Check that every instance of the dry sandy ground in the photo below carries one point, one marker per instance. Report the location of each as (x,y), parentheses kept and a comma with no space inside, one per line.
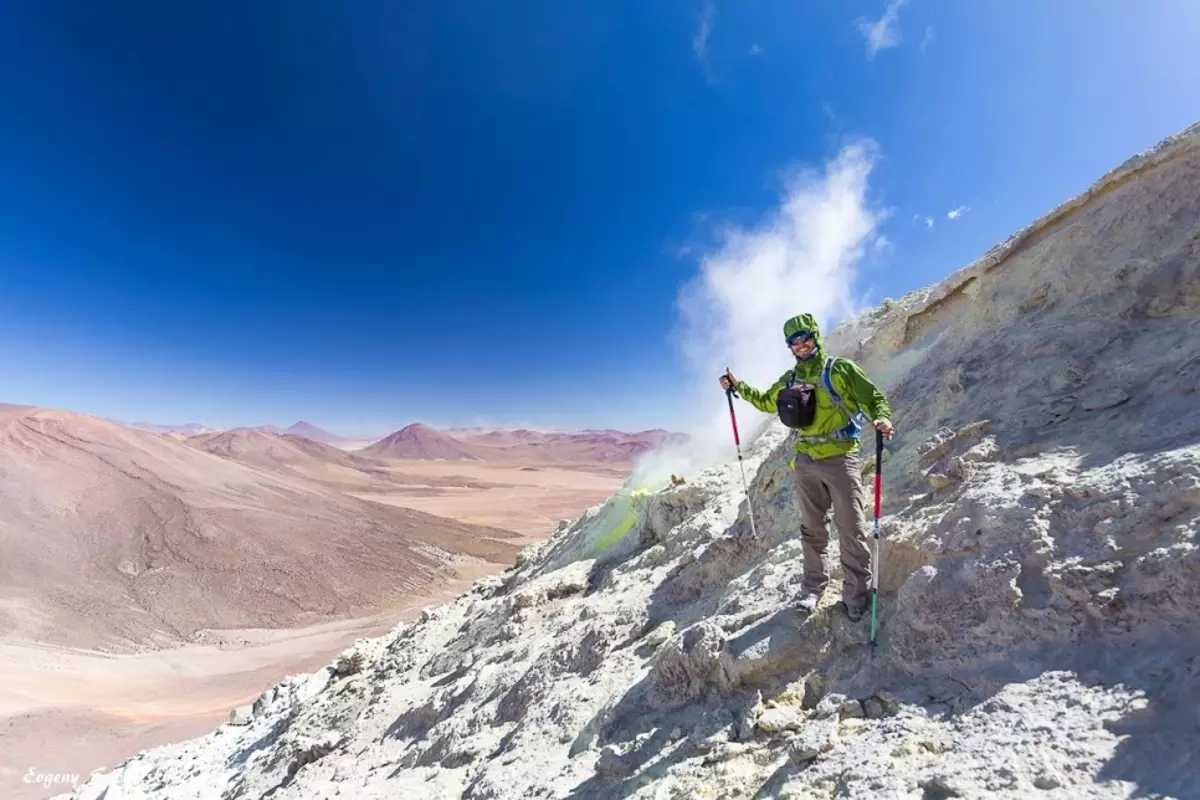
(67,711)
(530,500)
(112,538)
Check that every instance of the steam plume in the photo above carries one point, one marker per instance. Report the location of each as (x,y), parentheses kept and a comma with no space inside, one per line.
(803,256)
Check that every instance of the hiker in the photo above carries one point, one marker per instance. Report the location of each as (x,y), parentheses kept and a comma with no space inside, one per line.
(827,464)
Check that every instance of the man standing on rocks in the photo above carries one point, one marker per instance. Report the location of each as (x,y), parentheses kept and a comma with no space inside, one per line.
(827,463)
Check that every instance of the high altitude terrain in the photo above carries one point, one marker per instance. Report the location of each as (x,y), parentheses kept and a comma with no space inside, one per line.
(224,560)
(1040,628)
(116,537)
(520,445)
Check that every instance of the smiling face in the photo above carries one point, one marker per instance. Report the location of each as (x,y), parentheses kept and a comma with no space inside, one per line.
(802,346)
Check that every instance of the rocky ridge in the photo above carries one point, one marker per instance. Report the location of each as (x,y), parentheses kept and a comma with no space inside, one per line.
(1040,597)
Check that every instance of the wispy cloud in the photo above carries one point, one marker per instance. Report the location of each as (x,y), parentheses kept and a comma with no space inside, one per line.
(955,213)
(928,38)
(803,256)
(756,49)
(700,39)
(926,221)
(883,32)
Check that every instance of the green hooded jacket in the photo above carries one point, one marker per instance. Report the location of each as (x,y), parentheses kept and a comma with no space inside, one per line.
(857,390)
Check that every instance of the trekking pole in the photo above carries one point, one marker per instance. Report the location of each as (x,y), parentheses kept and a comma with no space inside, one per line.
(737,442)
(875,541)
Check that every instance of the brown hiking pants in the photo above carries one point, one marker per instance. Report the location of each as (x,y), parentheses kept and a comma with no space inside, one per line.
(825,485)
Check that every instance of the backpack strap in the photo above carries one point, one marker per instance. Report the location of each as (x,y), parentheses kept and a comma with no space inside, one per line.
(827,379)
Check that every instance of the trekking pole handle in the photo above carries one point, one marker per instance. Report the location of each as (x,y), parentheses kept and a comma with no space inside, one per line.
(737,440)
(731,390)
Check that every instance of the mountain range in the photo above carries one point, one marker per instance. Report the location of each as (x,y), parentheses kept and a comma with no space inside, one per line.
(423,442)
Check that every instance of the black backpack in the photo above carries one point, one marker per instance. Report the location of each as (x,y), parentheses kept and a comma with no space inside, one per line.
(797,405)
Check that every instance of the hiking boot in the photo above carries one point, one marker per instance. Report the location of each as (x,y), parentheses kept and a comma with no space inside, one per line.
(807,604)
(854,613)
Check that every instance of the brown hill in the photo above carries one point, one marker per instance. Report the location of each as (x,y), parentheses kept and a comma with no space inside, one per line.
(310,431)
(186,429)
(497,437)
(298,455)
(291,453)
(420,442)
(111,536)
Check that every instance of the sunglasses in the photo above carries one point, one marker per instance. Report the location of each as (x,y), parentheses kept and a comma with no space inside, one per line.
(799,336)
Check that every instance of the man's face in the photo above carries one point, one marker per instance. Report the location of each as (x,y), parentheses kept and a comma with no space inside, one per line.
(803,346)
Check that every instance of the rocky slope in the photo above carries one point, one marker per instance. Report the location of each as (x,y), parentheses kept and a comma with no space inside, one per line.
(1040,593)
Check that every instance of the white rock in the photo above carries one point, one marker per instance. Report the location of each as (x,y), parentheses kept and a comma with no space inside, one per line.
(852,709)
(814,739)
(660,634)
(830,705)
(242,715)
(782,718)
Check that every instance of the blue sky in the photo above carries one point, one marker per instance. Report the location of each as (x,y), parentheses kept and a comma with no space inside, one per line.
(366,214)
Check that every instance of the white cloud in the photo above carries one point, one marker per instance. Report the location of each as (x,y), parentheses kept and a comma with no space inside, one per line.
(927,221)
(700,38)
(955,213)
(756,49)
(883,32)
(928,38)
(803,256)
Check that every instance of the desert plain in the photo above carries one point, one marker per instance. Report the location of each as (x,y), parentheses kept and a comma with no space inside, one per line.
(154,580)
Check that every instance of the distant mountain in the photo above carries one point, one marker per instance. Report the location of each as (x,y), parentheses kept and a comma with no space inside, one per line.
(302,428)
(419,441)
(497,437)
(288,452)
(187,429)
(422,442)
(310,431)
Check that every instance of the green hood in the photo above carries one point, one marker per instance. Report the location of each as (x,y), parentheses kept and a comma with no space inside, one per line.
(806,322)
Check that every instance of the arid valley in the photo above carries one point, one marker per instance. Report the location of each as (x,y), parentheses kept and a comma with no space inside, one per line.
(155,578)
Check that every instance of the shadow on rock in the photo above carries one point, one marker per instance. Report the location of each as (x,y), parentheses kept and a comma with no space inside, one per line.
(1159,752)
(703,692)
(774,785)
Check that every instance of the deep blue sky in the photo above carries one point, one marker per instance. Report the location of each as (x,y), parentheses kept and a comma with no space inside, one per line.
(368,213)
